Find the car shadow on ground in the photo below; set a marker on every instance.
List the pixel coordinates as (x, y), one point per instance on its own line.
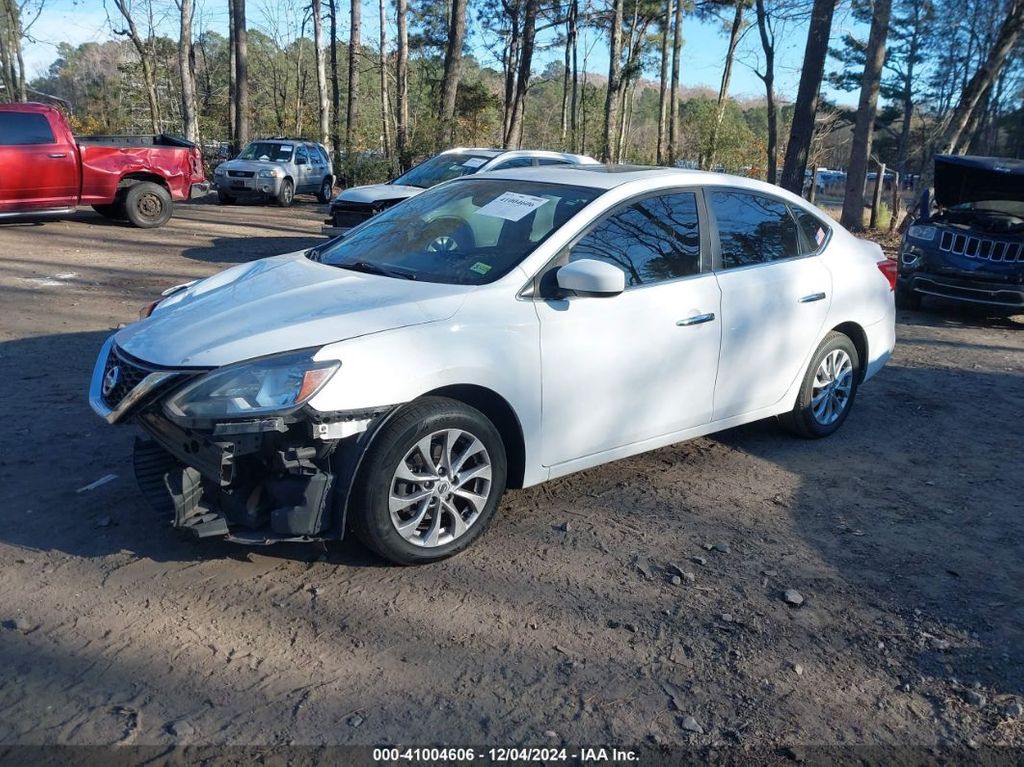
(239, 250)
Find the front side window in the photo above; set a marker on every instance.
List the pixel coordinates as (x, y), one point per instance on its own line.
(24, 128)
(444, 167)
(267, 151)
(753, 228)
(653, 240)
(300, 155)
(469, 232)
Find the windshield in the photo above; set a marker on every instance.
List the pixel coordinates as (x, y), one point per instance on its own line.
(268, 151)
(465, 233)
(444, 167)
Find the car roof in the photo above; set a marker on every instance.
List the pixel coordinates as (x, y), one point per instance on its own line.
(493, 153)
(605, 177)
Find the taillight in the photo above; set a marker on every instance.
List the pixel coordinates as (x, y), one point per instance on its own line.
(889, 269)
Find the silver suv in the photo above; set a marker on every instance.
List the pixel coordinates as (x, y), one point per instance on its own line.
(278, 169)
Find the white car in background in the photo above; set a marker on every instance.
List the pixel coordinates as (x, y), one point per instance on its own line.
(497, 331)
(358, 204)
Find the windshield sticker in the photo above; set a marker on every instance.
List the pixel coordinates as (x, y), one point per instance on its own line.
(819, 236)
(480, 268)
(474, 162)
(512, 206)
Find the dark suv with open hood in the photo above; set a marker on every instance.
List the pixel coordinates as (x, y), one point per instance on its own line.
(972, 248)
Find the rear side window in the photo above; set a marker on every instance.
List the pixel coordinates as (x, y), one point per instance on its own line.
(551, 161)
(20, 128)
(753, 228)
(814, 231)
(653, 240)
(300, 154)
(515, 162)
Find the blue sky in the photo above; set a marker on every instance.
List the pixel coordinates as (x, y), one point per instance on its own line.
(78, 21)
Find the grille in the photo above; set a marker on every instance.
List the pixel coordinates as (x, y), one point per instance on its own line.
(981, 247)
(351, 216)
(132, 373)
(241, 173)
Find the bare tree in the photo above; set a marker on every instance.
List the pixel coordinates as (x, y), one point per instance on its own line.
(187, 72)
(767, 33)
(385, 108)
(611, 103)
(352, 115)
(666, 32)
(673, 100)
(332, 11)
(132, 32)
(12, 30)
(321, 71)
(452, 72)
(863, 130)
(241, 45)
(402, 85)
(514, 135)
(708, 160)
(232, 75)
(802, 130)
(569, 76)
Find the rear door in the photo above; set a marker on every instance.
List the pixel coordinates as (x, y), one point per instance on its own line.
(775, 299)
(304, 166)
(38, 170)
(620, 370)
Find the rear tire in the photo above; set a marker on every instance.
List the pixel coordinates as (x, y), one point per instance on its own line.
(326, 190)
(114, 210)
(828, 390)
(399, 485)
(287, 193)
(148, 205)
(907, 298)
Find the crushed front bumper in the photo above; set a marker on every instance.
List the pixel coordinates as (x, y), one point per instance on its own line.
(1005, 295)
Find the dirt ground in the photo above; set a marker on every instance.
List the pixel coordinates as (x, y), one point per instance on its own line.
(904, 534)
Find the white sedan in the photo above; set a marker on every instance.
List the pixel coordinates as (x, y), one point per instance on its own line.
(495, 331)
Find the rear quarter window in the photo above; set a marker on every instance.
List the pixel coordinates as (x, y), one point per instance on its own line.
(814, 232)
(24, 128)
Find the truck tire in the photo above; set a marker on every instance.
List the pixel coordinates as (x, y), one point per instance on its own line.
(326, 190)
(287, 193)
(114, 210)
(148, 205)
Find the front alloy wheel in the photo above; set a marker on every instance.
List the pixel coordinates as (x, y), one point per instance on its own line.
(430, 482)
(828, 389)
(833, 383)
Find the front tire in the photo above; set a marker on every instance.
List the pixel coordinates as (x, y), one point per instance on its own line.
(326, 190)
(286, 194)
(828, 390)
(430, 482)
(148, 205)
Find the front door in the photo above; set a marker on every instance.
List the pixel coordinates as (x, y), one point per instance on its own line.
(775, 299)
(37, 171)
(619, 370)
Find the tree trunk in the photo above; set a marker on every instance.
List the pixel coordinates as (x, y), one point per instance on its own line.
(232, 75)
(147, 65)
(321, 71)
(768, 46)
(574, 10)
(187, 72)
(242, 75)
(802, 130)
(452, 71)
(385, 108)
(514, 136)
(723, 90)
(13, 56)
(353, 77)
(402, 88)
(907, 96)
(332, 10)
(673, 98)
(510, 63)
(864, 127)
(666, 31)
(567, 74)
(611, 106)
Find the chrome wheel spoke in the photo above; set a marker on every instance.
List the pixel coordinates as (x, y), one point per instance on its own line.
(832, 386)
(480, 471)
(475, 447)
(408, 529)
(476, 501)
(459, 525)
(402, 502)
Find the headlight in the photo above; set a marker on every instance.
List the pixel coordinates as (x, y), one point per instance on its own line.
(269, 173)
(918, 232)
(218, 171)
(276, 384)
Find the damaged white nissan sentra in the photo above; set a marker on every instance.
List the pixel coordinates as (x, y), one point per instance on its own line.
(496, 331)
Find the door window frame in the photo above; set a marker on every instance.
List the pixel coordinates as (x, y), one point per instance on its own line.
(533, 291)
(716, 241)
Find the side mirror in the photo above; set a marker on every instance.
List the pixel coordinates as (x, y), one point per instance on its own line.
(589, 277)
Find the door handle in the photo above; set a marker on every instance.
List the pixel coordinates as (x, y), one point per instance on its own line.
(697, 319)
(810, 299)
(57, 155)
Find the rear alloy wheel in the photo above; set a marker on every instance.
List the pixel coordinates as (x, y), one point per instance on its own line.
(828, 390)
(287, 193)
(326, 190)
(430, 483)
(148, 205)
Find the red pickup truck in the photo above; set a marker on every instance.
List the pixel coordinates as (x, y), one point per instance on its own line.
(44, 169)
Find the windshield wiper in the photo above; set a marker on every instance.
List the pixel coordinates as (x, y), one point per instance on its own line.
(368, 268)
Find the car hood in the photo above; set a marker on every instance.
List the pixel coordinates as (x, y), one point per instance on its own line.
(280, 304)
(377, 192)
(973, 179)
